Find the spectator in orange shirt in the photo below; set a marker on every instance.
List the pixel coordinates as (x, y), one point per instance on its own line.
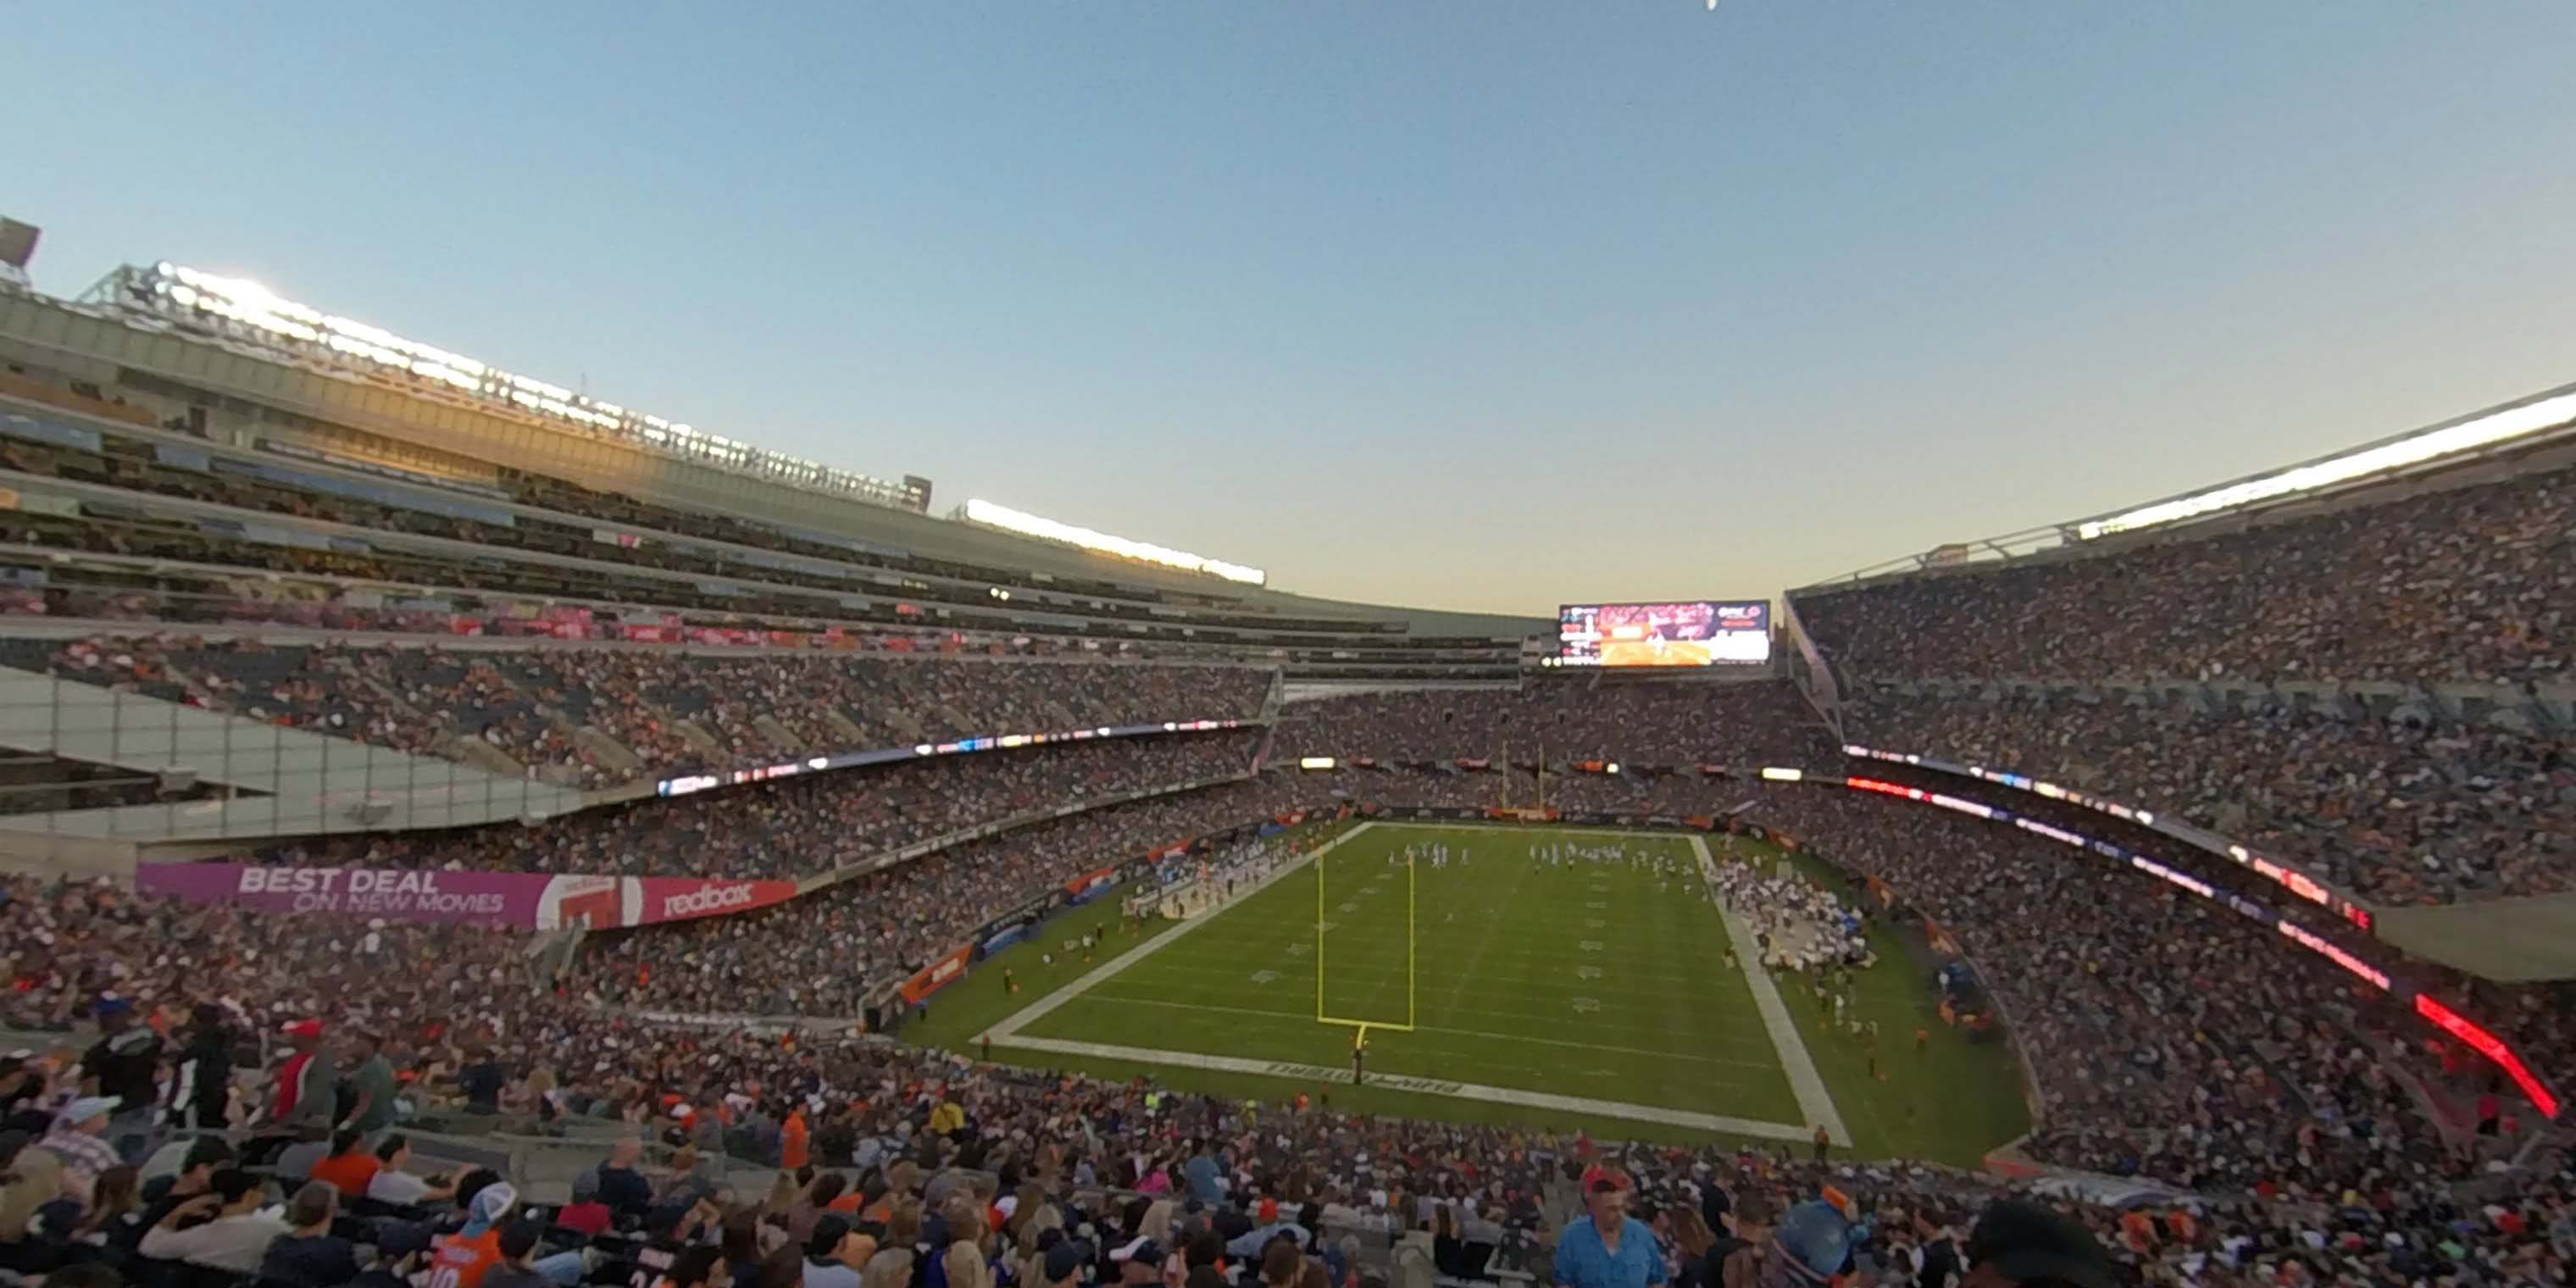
(464, 1257)
(793, 1152)
(350, 1165)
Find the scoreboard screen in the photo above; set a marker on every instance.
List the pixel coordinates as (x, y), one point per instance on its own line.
(1693, 633)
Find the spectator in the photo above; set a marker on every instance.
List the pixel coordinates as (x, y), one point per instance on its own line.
(401, 1247)
(621, 1186)
(1609, 1248)
(834, 1252)
(702, 1266)
(463, 1258)
(309, 1255)
(517, 1244)
(78, 1139)
(301, 1099)
(124, 1065)
(372, 1085)
(585, 1215)
(234, 1235)
(203, 1157)
(2018, 1242)
(201, 1094)
(392, 1181)
(351, 1166)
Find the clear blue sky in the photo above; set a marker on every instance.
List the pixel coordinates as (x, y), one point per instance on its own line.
(1483, 304)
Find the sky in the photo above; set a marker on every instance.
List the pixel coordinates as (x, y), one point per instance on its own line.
(1484, 304)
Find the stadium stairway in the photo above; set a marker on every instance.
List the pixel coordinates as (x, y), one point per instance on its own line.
(294, 782)
(894, 717)
(472, 751)
(780, 734)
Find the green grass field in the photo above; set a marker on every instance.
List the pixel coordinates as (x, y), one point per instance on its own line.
(1585, 995)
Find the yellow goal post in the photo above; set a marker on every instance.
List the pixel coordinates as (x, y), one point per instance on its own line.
(1359, 1039)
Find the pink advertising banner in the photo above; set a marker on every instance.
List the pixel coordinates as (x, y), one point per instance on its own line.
(514, 900)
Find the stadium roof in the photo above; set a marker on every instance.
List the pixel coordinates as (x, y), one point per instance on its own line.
(2542, 417)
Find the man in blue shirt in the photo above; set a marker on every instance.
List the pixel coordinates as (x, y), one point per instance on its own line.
(1201, 1173)
(1609, 1249)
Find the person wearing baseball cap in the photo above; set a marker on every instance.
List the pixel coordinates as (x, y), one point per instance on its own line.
(78, 1138)
(463, 1258)
(304, 1080)
(1140, 1261)
(1812, 1243)
(1063, 1263)
(125, 1066)
(2019, 1242)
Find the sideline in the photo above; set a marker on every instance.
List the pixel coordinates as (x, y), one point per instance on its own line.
(1813, 1100)
(1424, 1086)
(1007, 1032)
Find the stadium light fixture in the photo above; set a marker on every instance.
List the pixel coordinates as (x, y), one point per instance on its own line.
(2484, 430)
(1010, 520)
(251, 304)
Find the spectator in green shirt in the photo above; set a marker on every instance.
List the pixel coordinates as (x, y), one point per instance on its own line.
(372, 1086)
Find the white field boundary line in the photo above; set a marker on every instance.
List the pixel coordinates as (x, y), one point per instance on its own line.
(1007, 1033)
(1424, 1086)
(1008, 1030)
(1813, 1100)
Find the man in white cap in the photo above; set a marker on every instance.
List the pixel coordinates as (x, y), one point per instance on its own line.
(79, 1138)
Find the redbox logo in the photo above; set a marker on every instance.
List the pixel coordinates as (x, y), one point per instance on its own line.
(708, 900)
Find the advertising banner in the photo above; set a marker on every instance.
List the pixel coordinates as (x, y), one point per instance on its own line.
(1083, 888)
(510, 900)
(946, 970)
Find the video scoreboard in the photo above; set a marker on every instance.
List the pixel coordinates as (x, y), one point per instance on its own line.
(1687, 633)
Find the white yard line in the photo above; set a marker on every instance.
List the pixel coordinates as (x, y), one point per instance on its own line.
(1425, 1086)
(1813, 1100)
(1613, 1017)
(1124, 999)
(1092, 979)
(1467, 974)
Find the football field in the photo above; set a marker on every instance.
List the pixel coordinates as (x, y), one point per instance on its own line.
(1495, 986)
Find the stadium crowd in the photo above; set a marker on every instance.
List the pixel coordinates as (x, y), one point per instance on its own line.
(806, 824)
(1735, 724)
(2180, 1041)
(1684, 793)
(2472, 583)
(603, 716)
(2395, 811)
(820, 955)
(454, 1012)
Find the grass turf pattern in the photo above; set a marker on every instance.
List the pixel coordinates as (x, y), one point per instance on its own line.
(1605, 981)
(1583, 979)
